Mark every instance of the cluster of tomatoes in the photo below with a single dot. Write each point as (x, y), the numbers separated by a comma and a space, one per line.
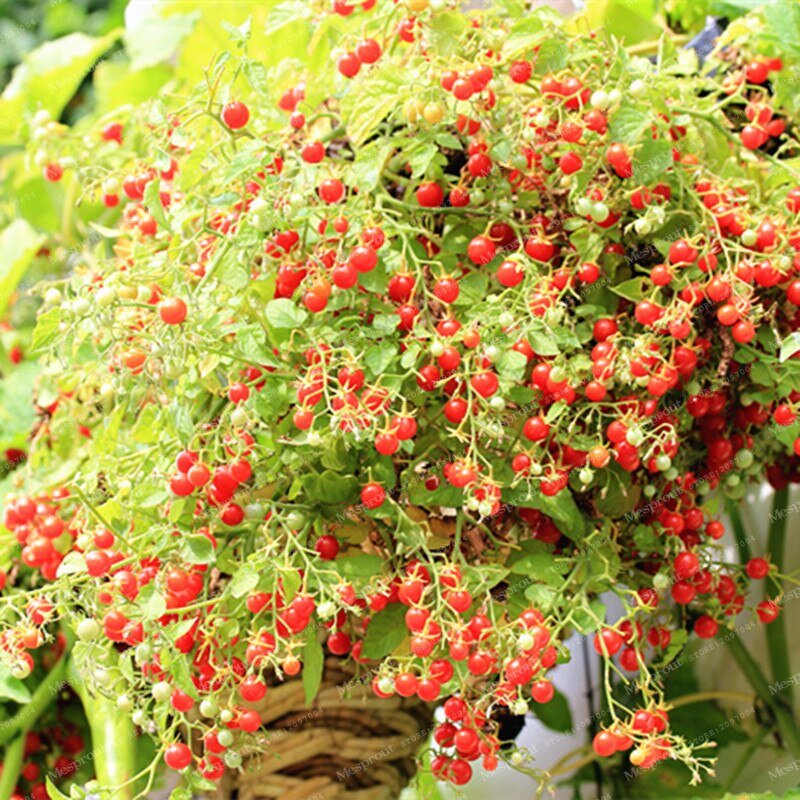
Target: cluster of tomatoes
(52, 751)
(41, 531)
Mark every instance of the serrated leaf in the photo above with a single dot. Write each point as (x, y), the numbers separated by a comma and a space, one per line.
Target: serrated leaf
(627, 124)
(283, 313)
(244, 580)
(370, 98)
(512, 365)
(46, 330)
(151, 601)
(377, 359)
(197, 549)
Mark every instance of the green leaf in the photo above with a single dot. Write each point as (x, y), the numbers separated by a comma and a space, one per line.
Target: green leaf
(331, 488)
(555, 714)
(368, 166)
(512, 365)
(283, 313)
(783, 26)
(627, 124)
(288, 13)
(651, 159)
(525, 34)
(19, 243)
(12, 688)
(49, 76)
(789, 346)
(52, 791)
(378, 358)
(370, 98)
(634, 289)
(152, 200)
(73, 563)
(155, 35)
(313, 659)
(46, 329)
(361, 565)
(243, 581)
(631, 22)
(618, 496)
(197, 549)
(472, 289)
(552, 56)
(151, 601)
(561, 508)
(386, 632)
(445, 32)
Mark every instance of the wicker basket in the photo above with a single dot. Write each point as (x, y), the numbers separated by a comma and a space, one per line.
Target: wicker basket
(349, 744)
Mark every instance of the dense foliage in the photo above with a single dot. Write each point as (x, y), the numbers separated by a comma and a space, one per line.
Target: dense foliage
(410, 353)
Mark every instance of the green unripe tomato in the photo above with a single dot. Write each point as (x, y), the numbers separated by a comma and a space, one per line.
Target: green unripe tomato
(477, 197)
(161, 691)
(88, 630)
(497, 403)
(506, 319)
(208, 708)
(437, 348)
(637, 88)
(225, 738)
(226, 715)
(600, 212)
(519, 707)
(634, 437)
(125, 704)
(239, 417)
(599, 99)
(525, 642)
(585, 476)
(649, 490)
(232, 759)
(744, 459)
(105, 296)
(663, 462)
(749, 238)
(661, 582)
(557, 374)
(671, 474)
(614, 96)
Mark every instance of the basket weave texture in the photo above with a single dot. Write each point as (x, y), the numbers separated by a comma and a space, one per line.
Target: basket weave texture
(348, 745)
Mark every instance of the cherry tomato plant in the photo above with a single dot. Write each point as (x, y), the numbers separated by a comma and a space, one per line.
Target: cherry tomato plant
(413, 356)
